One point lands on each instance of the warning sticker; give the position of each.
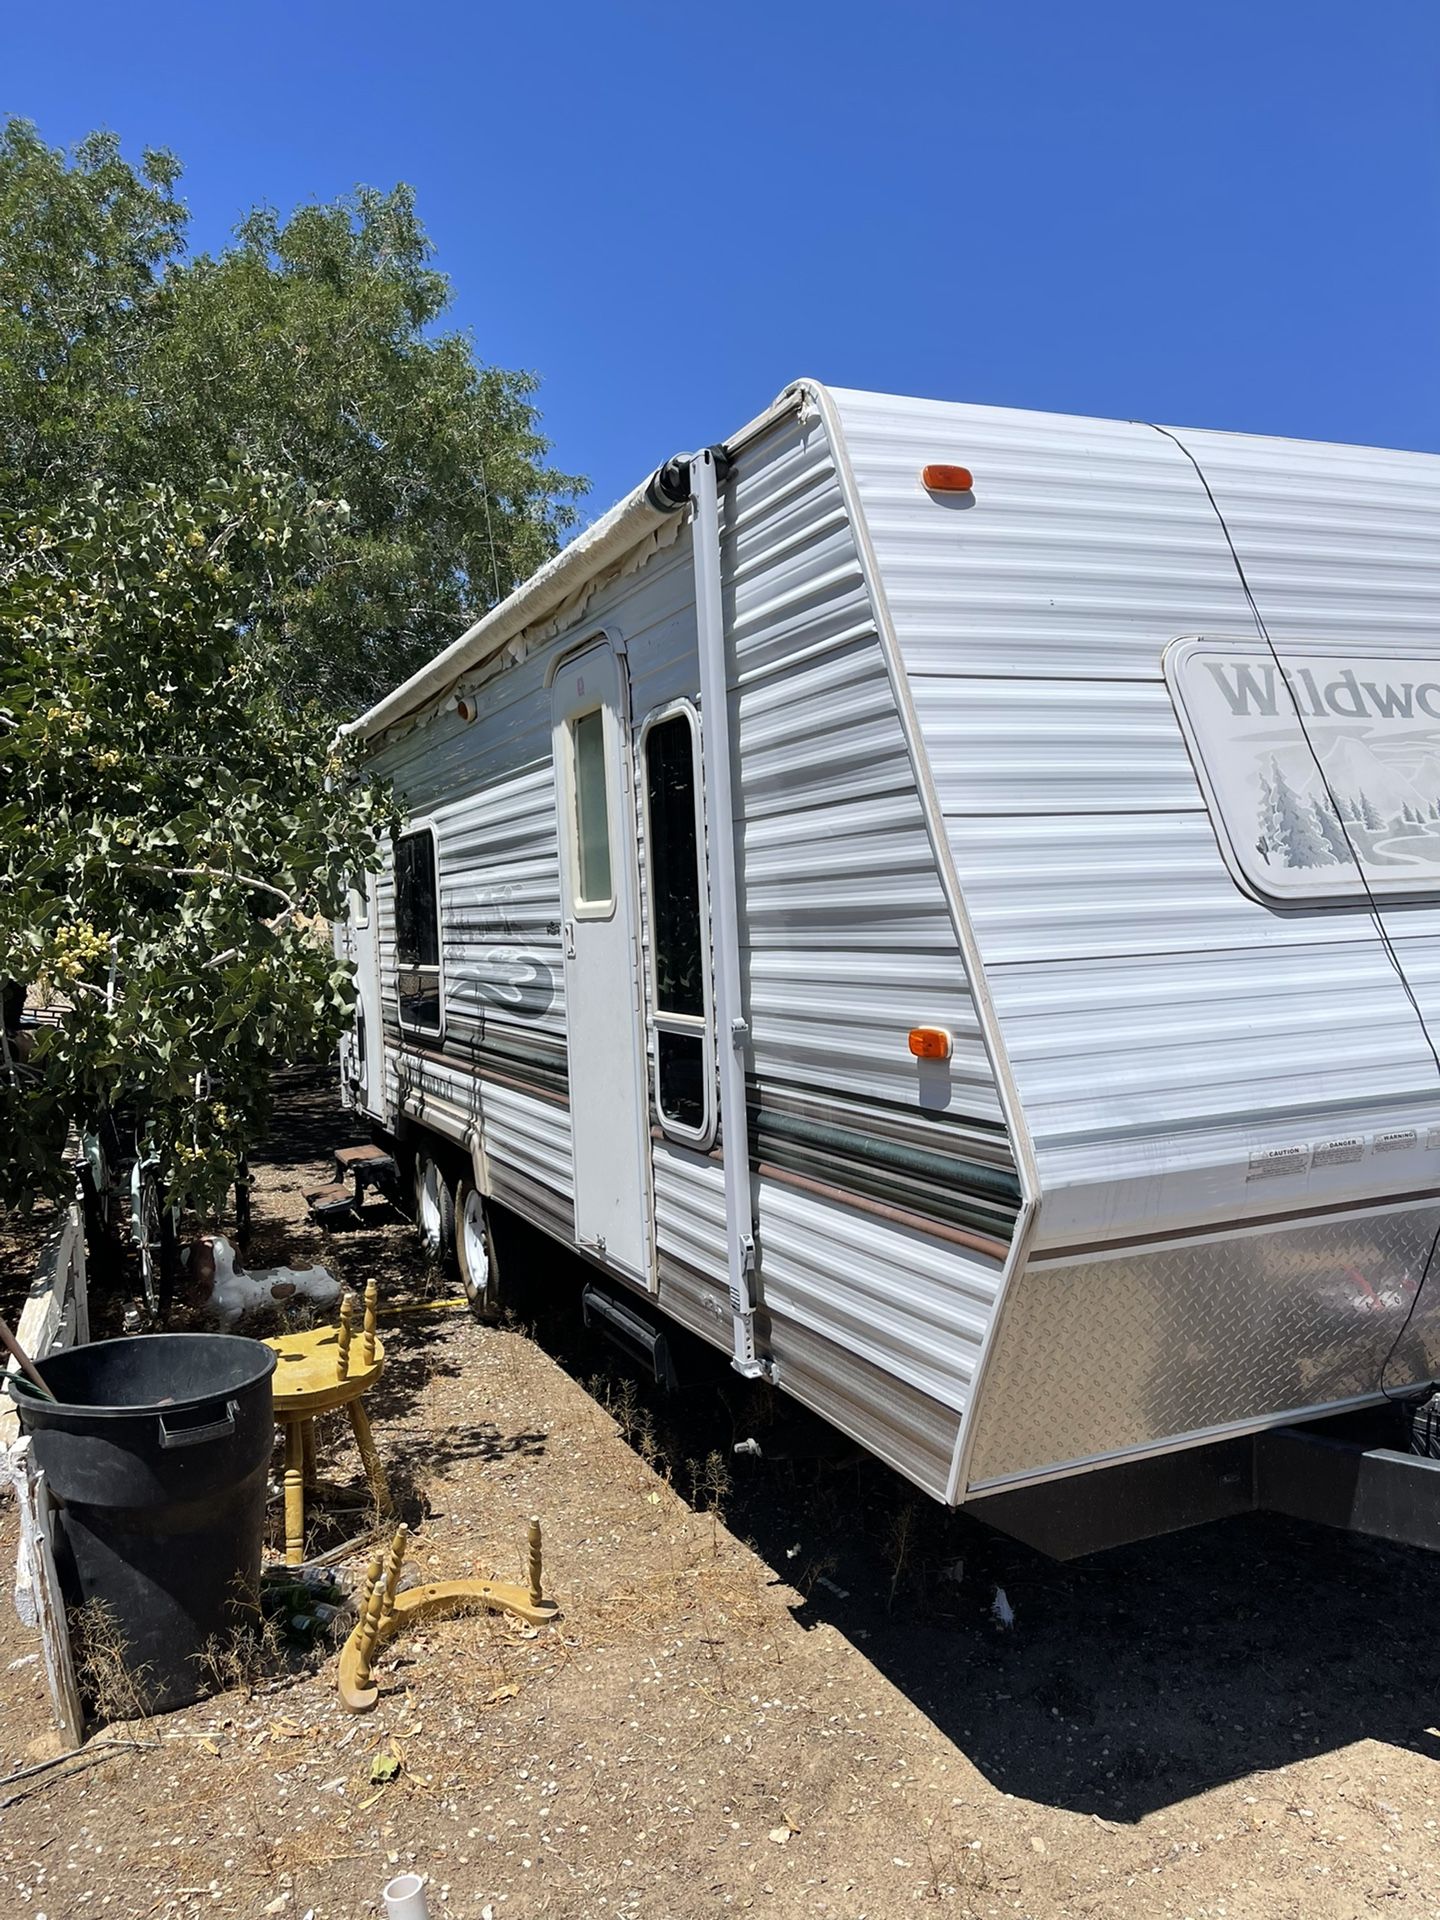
(1273, 1163)
(1339, 1153)
(1396, 1140)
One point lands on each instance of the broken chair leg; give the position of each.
(384, 1611)
(372, 1308)
(365, 1643)
(532, 1561)
(394, 1560)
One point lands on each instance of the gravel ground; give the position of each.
(776, 1686)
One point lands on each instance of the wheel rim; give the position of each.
(150, 1245)
(428, 1210)
(474, 1245)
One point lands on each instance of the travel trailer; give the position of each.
(944, 903)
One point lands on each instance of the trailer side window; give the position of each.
(417, 930)
(680, 985)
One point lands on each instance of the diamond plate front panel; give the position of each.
(1118, 1355)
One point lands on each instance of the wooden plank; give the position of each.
(37, 1592)
(55, 1628)
(14, 1460)
(80, 1279)
(56, 1314)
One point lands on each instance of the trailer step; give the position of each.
(367, 1167)
(630, 1332)
(329, 1203)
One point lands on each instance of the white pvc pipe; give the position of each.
(404, 1898)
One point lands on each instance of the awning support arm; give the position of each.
(733, 1033)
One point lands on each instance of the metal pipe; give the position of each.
(732, 1031)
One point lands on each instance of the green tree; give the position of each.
(174, 834)
(313, 348)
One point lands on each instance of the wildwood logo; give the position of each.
(1268, 691)
(1316, 768)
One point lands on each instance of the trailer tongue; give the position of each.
(1366, 1472)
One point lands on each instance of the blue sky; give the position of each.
(1222, 215)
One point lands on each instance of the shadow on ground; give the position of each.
(1129, 1681)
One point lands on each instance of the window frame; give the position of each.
(701, 1026)
(358, 905)
(415, 829)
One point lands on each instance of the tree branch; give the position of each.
(220, 873)
(233, 953)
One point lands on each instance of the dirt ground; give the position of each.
(778, 1684)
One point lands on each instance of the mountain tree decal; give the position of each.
(1331, 831)
(1291, 828)
(1321, 771)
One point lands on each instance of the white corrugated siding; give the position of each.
(849, 939)
(1161, 1026)
(913, 1306)
(849, 943)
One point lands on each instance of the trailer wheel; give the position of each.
(157, 1241)
(434, 1209)
(475, 1250)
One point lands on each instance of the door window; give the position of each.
(679, 959)
(417, 930)
(593, 889)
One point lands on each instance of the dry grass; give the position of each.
(957, 1869)
(246, 1658)
(114, 1688)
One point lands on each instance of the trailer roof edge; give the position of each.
(603, 542)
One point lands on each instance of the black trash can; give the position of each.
(156, 1453)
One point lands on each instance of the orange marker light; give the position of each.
(941, 479)
(930, 1043)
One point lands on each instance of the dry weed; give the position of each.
(956, 1866)
(712, 1485)
(115, 1688)
(898, 1545)
(241, 1661)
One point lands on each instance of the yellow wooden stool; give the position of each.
(314, 1374)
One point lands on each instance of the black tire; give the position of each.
(434, 1210)
(475, 1260)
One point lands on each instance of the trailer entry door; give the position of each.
(608, 1117)
(362, 1049)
